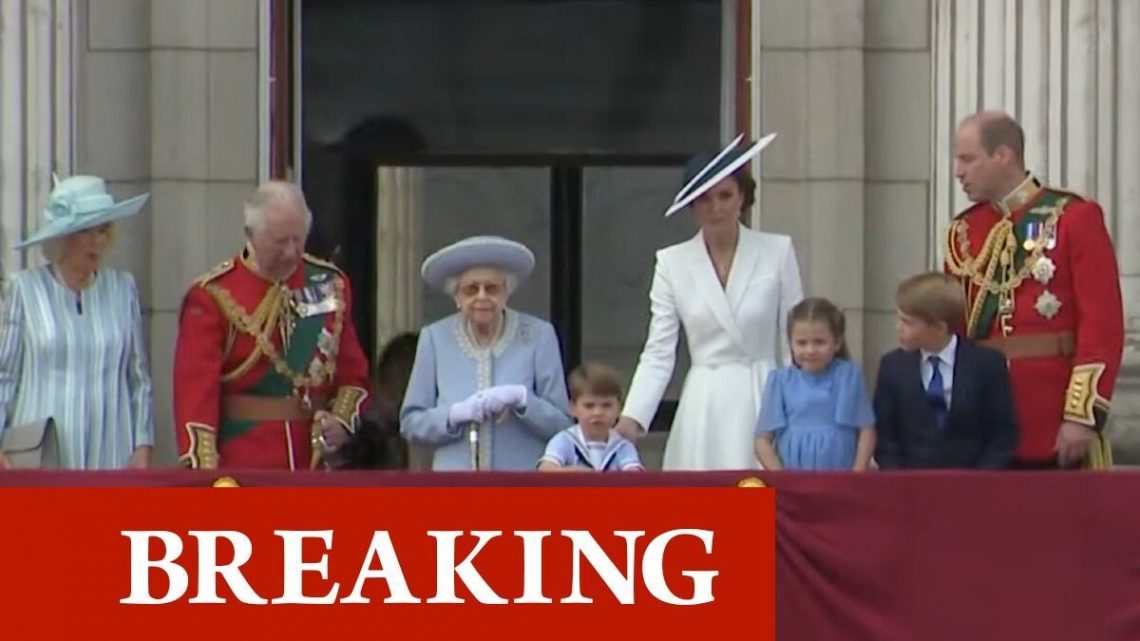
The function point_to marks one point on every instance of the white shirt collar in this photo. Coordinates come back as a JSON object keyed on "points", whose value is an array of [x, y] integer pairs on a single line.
{"points": [[947, 354], [581, 434]]}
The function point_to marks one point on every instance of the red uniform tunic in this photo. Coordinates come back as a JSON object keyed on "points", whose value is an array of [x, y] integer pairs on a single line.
{"points": [[1042, 284], [254, 359]]}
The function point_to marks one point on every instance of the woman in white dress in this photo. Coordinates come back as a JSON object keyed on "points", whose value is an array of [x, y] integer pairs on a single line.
{"points": [[730, 288]]}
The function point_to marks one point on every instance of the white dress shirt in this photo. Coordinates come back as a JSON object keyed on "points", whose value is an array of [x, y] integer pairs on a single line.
{"points": [[945, 366]]}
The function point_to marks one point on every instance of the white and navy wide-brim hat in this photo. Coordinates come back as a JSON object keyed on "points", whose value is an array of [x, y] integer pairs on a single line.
{"points": [[78, 203], [704, 171], [478, 251]]}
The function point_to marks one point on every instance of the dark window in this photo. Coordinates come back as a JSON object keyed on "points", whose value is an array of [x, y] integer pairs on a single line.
{"points": [[562, 123], [514, 76]]}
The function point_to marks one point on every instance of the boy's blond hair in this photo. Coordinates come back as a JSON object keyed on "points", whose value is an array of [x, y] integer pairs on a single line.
{"points": [[596, 379], [933, 297]]}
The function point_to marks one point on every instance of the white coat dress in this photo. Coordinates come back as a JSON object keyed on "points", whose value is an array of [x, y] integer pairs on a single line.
{"points": [[735, 334]]}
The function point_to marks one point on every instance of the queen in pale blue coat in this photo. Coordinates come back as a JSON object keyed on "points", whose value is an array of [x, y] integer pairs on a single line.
{"points": [[71, 340], [487, 389]]}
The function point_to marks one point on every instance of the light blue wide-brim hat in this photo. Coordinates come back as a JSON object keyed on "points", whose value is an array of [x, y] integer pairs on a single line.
{"points": [[477, 251], [78, 203]]}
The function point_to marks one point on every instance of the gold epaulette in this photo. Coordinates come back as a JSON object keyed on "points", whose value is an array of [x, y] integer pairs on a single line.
{"points": [[323, 263], [218, 271]]}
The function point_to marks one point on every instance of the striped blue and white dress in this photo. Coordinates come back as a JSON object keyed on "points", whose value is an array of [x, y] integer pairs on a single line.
{"points": [[79, 358]]}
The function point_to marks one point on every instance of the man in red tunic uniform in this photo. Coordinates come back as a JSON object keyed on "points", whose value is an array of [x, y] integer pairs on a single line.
{"points": [[1042, 285], [268, 372]]}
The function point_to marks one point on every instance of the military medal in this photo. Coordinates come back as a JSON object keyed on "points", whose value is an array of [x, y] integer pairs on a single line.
{"points": [[1032, 235], [1051, 233], [314, 300], [1047, 305], [1043, 270], [326, 342], [301, 301], [316, 371]]}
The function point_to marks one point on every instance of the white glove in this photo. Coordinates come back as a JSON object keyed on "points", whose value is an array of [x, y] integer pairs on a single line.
{"points": [[500, 397], [469, 410]]}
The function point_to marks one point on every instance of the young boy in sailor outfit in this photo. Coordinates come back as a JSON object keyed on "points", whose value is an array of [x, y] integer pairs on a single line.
{"points": [[592, 444]]}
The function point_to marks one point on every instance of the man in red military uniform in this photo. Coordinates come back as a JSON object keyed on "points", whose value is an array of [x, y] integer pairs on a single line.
{"points": [[1043, 286], [268, 372]]}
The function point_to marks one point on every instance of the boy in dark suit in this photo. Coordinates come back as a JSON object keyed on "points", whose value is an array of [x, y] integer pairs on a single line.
{"points": [[941, 401]]}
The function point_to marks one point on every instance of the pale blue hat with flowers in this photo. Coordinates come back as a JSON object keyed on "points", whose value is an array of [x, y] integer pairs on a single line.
{"points": [[78, 203], [477, 251]]}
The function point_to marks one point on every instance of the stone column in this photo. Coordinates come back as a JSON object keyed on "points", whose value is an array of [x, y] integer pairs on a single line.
{"points": [[811, 68], [898, 154], [203, 148], [1118, 69], [1056, 66], [112, 90], [1065, 69], [399, 215], [35, 116]]}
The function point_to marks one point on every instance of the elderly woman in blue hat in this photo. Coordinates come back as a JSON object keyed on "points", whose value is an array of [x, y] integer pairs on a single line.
{"points": [[731, 289], [487, 389], [71, 337]]}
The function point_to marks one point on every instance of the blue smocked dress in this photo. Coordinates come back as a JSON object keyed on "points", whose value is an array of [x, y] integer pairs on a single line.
{"points": [[816, 417]]}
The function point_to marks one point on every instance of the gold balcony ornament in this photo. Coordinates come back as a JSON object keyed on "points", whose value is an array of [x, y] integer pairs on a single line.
{"points": [[751, 481], [225, 481]]}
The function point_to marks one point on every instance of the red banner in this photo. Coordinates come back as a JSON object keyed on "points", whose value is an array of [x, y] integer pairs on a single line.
{"points": [[476, 562]]}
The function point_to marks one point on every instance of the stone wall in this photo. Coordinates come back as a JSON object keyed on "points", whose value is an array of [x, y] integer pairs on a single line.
{"points": [[812, 70], [847, 86], [167, 101]]}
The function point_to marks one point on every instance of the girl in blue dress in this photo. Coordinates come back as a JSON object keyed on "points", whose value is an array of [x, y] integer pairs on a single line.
{"points": [[816, 413]]}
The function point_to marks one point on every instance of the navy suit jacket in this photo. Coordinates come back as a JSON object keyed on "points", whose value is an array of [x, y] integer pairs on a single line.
{"points": [[981, 427]]}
